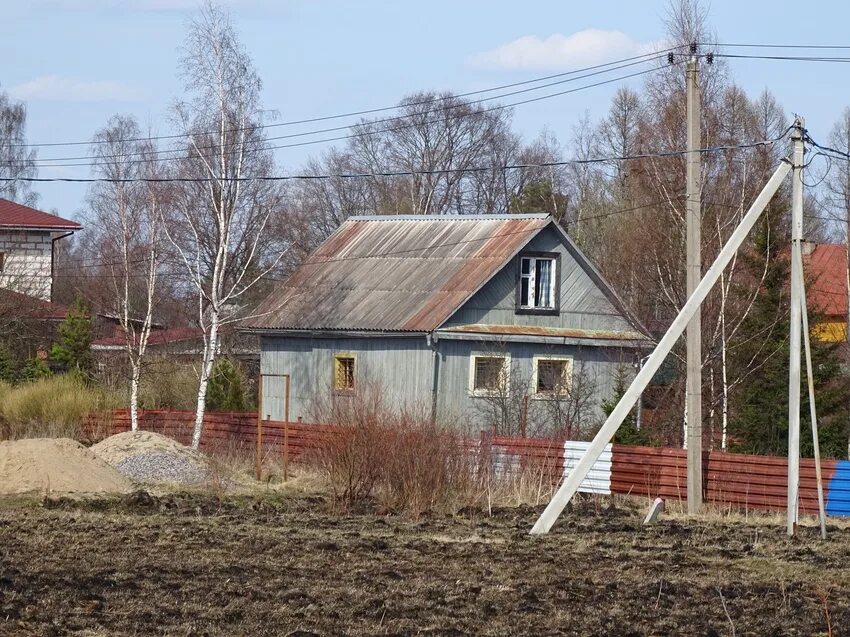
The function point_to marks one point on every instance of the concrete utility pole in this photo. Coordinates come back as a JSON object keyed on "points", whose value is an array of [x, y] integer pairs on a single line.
{"points": [[796, 327], [693, 437]]}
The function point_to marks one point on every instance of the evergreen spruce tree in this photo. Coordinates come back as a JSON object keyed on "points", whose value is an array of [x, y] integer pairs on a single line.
{"points": [[759, 404], [34, 369], [227, 390], [75, 336]]}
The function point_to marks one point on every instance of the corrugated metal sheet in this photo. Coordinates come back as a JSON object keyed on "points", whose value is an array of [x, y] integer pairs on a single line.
{"points": [[395, 273], [736, 480], [598, 479], [539, 330]]}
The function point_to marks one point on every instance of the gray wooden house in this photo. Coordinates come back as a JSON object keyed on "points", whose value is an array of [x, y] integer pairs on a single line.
{"points": [[486, 320]]}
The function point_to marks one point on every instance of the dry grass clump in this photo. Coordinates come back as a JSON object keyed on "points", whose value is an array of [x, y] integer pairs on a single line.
{"points": [[54, 407]]}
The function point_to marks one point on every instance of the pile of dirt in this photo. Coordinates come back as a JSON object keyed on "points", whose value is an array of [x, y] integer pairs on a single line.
{"points": [[55, 465], [150, 458]]}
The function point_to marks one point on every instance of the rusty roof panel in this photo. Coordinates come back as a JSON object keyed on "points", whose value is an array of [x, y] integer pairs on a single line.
{"points": [[395, 273], [538, 330]]}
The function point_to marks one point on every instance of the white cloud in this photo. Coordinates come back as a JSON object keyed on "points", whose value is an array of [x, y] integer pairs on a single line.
{"points": [[558, 51], [57, 88]]}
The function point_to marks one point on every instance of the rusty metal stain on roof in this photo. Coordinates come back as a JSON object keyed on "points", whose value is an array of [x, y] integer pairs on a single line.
{"points": [[395, 274], [537, 330]]}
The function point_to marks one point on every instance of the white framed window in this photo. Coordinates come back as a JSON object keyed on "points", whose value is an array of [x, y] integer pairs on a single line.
{"points": [[537, 282], [488, 374], [552, 376]]}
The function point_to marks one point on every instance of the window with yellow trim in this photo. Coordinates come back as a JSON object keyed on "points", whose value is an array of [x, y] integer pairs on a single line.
{"points": [[344, 373]]}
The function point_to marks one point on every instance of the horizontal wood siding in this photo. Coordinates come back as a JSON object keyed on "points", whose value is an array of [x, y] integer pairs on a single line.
{"points": [[401, 367], [583, 304]]}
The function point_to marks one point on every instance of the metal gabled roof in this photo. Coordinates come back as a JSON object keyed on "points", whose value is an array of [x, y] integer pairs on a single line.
{"points": [[385, 273], [17, 216]]}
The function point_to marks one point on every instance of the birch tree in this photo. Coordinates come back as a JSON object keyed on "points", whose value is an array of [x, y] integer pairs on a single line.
{"points": [[17, 161], [127, 217], [221, 209]]}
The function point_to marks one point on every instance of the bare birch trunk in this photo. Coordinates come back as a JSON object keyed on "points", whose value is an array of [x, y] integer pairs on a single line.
{"points": [[210, 347], [134, 396]]}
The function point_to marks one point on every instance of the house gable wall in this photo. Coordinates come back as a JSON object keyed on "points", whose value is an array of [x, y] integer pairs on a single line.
{"points": [[583, 305], [27, 263]]}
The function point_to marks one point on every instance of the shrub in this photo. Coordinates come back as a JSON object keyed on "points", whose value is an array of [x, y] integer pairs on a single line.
{"points": [[48, 407], [401, 460], [168, 384], [7, 365]]}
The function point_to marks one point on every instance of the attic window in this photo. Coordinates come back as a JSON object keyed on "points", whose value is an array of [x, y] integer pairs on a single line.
{"points": [[344, 373], [538, 288]]}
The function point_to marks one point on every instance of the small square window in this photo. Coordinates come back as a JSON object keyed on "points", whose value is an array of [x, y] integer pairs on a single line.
{"points": [[344, 373], [489, 374], [553, 376], [538, 283]]}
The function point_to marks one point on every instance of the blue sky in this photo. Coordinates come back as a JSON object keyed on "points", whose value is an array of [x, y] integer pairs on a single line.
{"points": [[76, 62]]}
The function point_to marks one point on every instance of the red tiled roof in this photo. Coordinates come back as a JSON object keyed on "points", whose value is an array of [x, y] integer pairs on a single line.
{"points": [[826, 268], [157, 337], [15, 215], [24, 306]]}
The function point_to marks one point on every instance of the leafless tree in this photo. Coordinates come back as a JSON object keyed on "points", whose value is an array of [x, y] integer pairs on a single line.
{"points": [[838, 185], [127, 215], [17, 161], [222, 210]]}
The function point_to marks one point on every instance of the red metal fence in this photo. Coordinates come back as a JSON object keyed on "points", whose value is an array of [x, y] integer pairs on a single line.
{"points": [[734, 480]]}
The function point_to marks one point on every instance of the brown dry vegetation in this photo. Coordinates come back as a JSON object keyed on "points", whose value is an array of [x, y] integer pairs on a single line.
{"points": [[194, 565]]}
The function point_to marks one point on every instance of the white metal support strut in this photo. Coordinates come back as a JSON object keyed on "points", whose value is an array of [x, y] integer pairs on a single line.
{"points": [[624, 406]]}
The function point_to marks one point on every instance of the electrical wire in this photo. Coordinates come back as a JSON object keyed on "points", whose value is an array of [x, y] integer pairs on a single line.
{"points": [[361, 133], [396, 173], [143, 275], [791, 58], [642, 58], [773, 46]]}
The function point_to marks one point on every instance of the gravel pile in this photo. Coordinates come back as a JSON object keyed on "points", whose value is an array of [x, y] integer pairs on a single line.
{"points": [[150, 458], [156, 467]]}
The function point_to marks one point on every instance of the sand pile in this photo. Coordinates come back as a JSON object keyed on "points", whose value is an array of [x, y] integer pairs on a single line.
{"points": [[55, 465], [150, 458]]}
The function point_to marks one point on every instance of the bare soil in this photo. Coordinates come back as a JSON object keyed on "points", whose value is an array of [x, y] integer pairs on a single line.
{"points": [[194, 565], [55, 465]]}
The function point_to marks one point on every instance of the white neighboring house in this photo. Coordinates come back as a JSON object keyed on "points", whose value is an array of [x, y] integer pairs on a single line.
{"points": [[27, 242]]}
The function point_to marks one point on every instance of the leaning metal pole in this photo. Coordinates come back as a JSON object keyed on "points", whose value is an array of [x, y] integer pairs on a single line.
{"points": [[570, 485]]}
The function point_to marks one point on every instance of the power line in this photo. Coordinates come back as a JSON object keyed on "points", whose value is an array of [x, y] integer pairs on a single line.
{"points": [[773, 46], [182, 272], [368, 133], [642, 58], [396, 173], [792, 58]]}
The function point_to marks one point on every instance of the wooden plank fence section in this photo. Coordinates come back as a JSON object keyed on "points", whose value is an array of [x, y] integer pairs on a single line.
{"points": [[735, 480]]}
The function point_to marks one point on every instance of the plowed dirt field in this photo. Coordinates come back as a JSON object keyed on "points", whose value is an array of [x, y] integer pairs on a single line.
{"points": [[187, 565]]}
